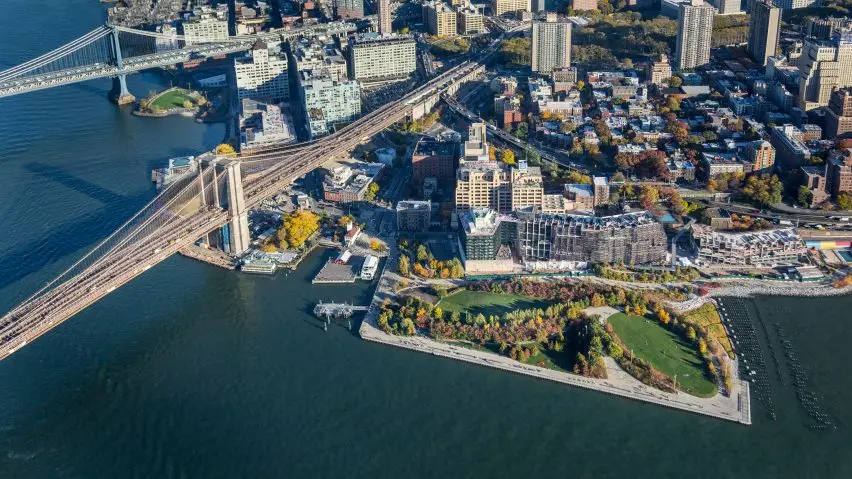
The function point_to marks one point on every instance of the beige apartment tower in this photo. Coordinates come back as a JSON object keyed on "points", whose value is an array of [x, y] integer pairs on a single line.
{"points": [[694, 31], [551, 45], [499, 7], [825, 66]]}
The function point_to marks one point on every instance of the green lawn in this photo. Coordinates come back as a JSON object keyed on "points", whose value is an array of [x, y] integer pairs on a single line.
{"points": [[172, 99], [488, 303], [667, 352]]}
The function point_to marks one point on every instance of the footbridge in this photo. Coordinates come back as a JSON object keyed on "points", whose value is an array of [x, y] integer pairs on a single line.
{"points": [[216, 198], [114, 52]]}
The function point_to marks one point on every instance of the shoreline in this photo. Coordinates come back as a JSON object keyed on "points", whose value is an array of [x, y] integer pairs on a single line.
{"points": [[734, 408]]}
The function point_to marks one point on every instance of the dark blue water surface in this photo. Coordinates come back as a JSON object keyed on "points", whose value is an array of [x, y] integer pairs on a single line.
{"points": [[191, 371]]}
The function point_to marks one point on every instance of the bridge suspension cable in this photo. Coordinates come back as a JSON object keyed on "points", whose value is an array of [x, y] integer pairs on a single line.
{"points": [[54, 55]]}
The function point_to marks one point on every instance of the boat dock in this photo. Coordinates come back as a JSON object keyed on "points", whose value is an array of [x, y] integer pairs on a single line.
{"points": [[336, 310], [210, 256], [333, 272]]}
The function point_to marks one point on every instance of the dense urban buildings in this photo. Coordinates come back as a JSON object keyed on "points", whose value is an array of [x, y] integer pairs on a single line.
{"points": [[825, 65], [764, 30], [694, 31], [631, 238], [551, 45], [759, 248], [377, 59], [499, 7], [413, 215], [440, 19], [838, 115], [383, 12], [262, 73]]}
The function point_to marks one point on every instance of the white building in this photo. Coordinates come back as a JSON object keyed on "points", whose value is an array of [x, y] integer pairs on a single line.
{"points": [[373, 58], [339, 101], [205, 30], [794, 4], [694, 31], [166, 44], [262, 74], [470, 20], [551, 45]]}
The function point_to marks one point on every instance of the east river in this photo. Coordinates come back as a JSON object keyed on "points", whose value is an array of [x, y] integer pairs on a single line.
{"points": [[191, 371]]}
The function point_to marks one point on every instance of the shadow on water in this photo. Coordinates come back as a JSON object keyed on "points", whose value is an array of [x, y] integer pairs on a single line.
{"points": [[73, 236], [77, 184]]}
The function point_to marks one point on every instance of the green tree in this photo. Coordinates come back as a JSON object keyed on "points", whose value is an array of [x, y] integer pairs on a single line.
{"points": [[763, 189], [372, 191], [422, 253], [804, 196], [675, 82], [404, 265], [844, 201], [508, 157]]}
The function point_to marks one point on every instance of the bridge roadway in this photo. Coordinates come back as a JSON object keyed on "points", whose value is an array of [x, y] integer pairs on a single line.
{"points": [[137, 63], [155, 242]]}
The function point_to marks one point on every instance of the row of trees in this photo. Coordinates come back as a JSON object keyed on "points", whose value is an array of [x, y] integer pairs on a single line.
{"points": [[420, 262]]}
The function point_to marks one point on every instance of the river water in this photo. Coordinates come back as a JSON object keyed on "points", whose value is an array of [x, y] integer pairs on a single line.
{"points": [[192, 371]]}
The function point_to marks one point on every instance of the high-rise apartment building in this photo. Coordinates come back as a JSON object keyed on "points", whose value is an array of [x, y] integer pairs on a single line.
{"points": [[551, 45], [727, 7], [373, 58], [764, 30], [659, 71], [440, 19], [838, 117], [825, 66], [694, 31], [499, 7], [384, 15], [262, 74]]}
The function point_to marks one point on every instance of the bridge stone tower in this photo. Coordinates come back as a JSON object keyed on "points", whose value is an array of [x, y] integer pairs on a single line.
{"points": [[119, 94], [238, 237]]}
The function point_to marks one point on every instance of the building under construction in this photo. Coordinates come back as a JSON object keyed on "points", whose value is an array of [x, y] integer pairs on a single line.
{"points": [[630, 238]]}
